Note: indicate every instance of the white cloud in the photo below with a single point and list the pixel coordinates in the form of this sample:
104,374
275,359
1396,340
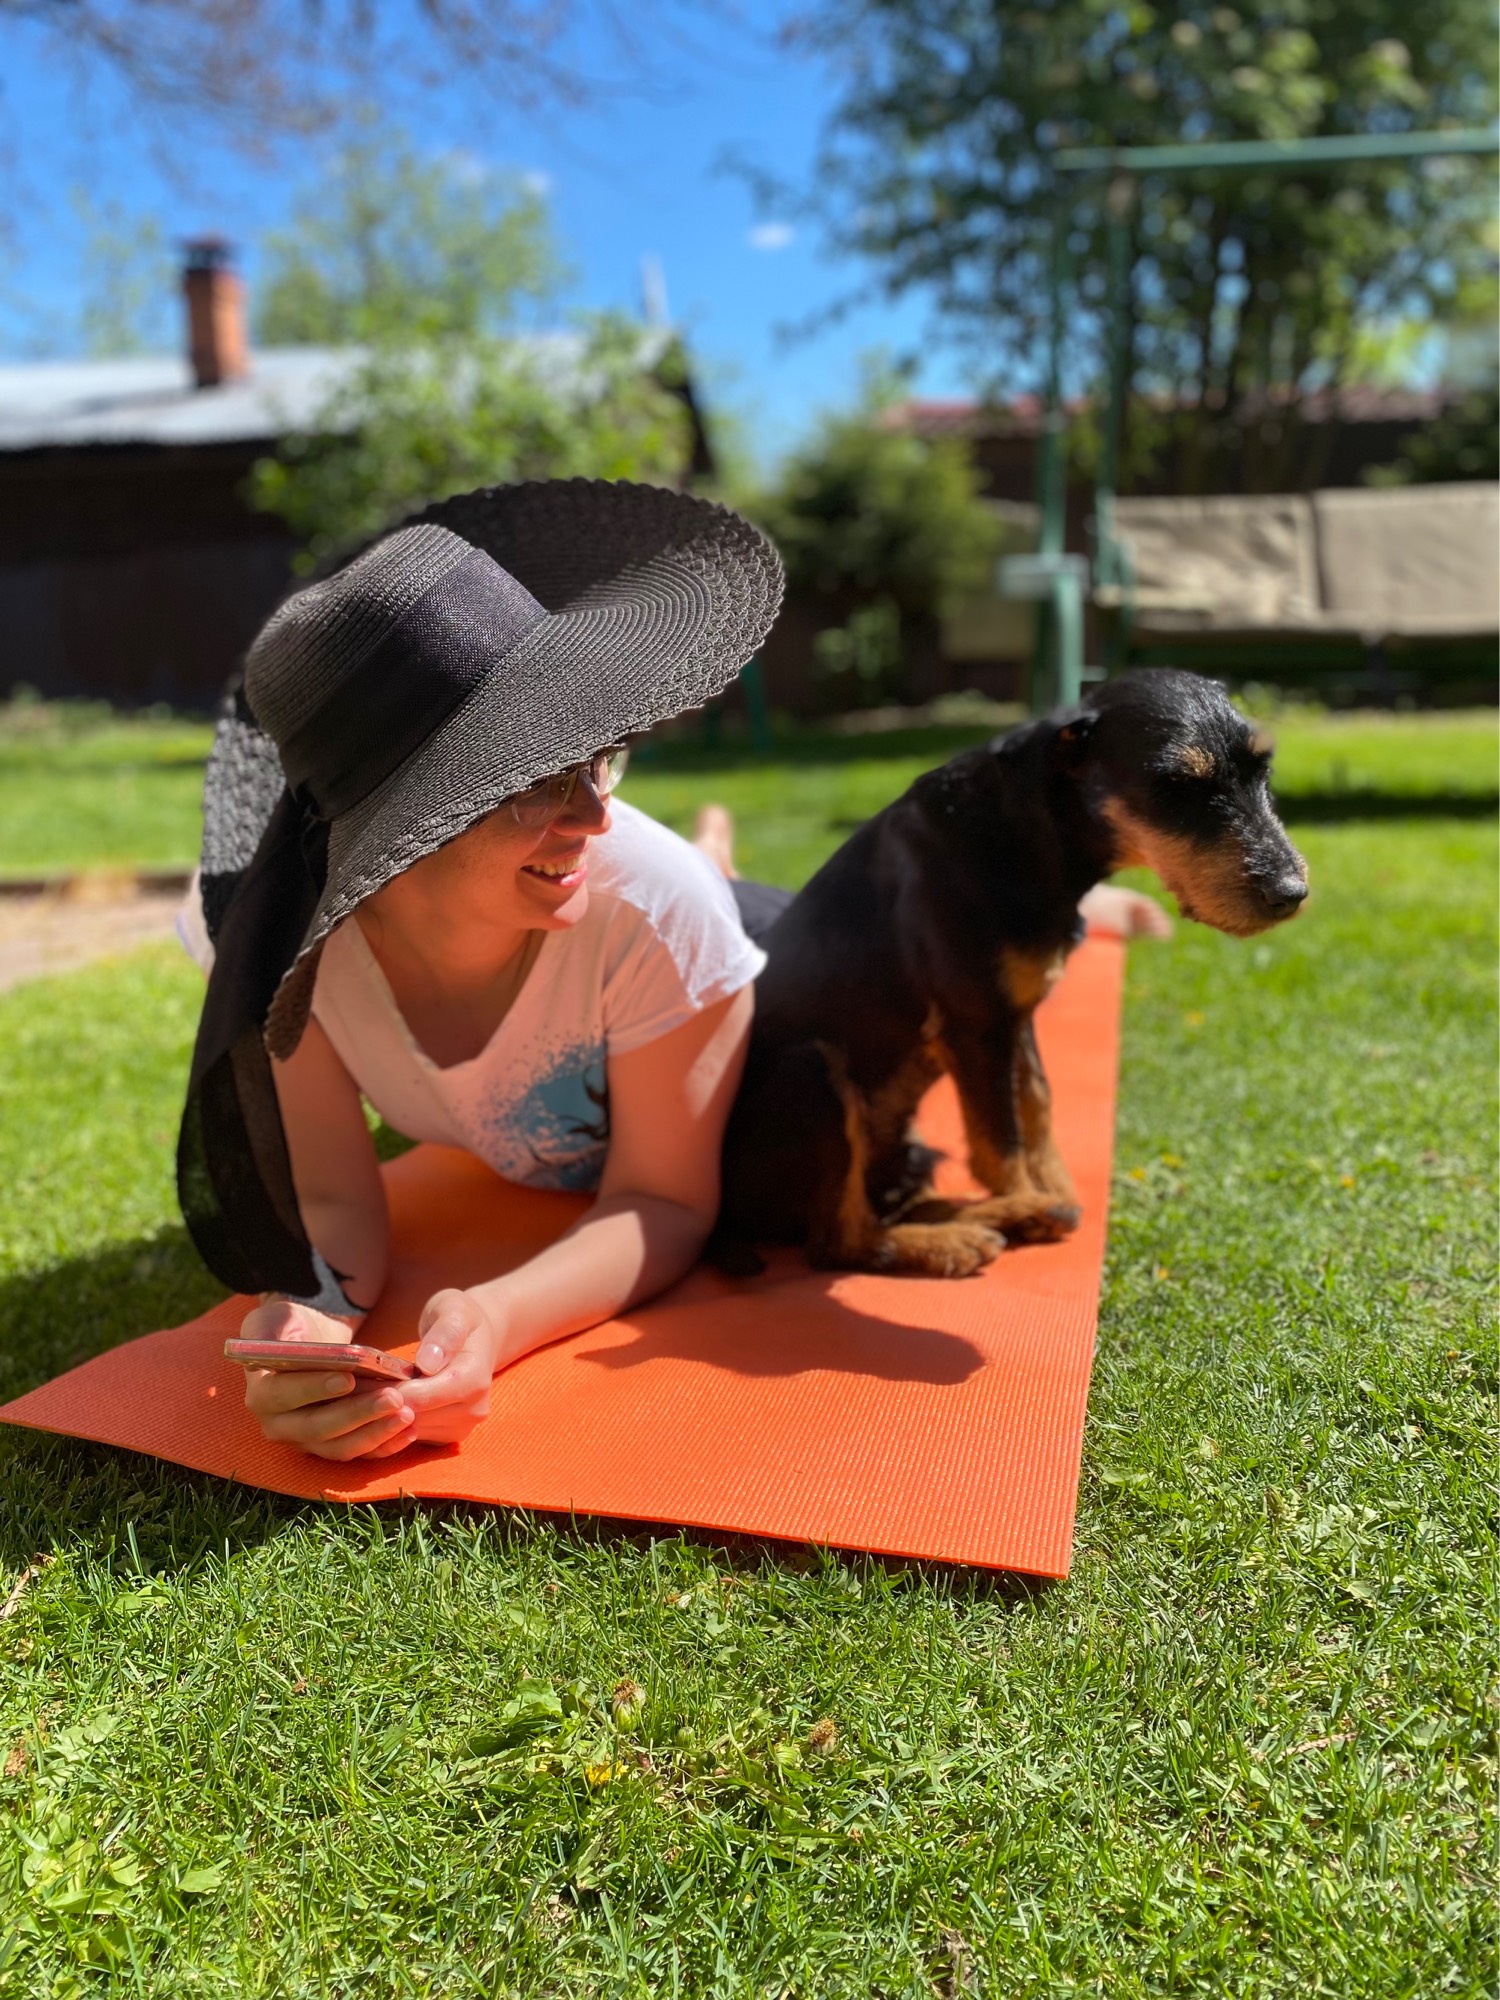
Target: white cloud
770,235
537,182
467,166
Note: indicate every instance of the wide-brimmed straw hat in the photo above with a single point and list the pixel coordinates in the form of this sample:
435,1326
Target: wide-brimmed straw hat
488,643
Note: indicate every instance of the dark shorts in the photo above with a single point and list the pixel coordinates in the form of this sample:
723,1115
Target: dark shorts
760,906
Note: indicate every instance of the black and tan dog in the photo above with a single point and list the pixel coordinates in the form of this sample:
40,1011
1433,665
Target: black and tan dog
925,945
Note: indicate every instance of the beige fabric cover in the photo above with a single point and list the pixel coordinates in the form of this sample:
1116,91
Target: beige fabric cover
1229,560
1411,559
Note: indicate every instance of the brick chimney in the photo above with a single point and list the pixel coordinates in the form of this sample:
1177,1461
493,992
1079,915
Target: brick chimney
215,293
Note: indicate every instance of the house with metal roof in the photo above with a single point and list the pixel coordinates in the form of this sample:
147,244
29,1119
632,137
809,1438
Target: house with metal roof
132,566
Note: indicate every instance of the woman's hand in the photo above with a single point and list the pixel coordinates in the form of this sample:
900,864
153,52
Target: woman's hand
456,1361
328,1416
320,1413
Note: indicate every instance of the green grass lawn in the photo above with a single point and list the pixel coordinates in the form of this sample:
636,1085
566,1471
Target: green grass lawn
81,788
257,1747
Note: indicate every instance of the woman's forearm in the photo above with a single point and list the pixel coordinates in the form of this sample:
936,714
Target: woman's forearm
334,1170
353,1239
627,1248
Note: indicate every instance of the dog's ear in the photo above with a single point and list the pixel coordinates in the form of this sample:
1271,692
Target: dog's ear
1071,742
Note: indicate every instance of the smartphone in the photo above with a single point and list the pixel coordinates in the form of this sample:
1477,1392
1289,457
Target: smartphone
366,1364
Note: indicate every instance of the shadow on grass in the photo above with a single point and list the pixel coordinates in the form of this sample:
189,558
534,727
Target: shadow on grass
146,1516
53,1319
1312,808
933,743
1330,808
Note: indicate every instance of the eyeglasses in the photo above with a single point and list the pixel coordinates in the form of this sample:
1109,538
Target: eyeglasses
543,802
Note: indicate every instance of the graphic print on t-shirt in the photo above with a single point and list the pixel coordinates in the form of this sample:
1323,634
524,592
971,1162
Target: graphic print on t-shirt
555,1133
660,940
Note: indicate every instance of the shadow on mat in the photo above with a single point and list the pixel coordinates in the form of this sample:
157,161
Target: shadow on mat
842,1341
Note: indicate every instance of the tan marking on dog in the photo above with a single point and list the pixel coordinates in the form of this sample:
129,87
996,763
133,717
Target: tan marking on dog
1026,978
889,1111
1033,1095
1034,1106
1194,761
854,1225
1129,852
1262,742
1035,1174
1207,879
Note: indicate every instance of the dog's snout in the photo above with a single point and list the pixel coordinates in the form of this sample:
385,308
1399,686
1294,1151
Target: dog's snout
1285,895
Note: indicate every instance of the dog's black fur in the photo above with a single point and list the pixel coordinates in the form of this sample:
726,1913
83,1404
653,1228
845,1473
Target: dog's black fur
926,943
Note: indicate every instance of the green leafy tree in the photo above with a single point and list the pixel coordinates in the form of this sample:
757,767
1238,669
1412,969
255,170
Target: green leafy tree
1462,442
394,246
1248,288
129,280
430,276
882,533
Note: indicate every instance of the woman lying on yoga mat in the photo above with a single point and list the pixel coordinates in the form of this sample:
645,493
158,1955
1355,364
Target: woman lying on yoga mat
416,888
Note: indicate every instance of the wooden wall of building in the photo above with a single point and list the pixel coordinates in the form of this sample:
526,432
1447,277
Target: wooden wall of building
134,574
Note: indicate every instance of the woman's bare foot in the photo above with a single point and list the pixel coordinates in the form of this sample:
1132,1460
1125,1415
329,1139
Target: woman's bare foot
1124,912
713,833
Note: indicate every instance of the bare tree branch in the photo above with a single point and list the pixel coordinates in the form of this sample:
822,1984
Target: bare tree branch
258,70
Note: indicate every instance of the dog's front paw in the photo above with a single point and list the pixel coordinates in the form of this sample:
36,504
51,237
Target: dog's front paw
1028,1218
954,1249
1048,1225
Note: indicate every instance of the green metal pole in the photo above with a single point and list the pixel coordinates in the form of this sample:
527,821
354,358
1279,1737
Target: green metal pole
1052,470
1052,487
1109,567
1330,151
1067,615
757,708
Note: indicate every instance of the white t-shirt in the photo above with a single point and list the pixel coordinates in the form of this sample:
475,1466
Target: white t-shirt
660,941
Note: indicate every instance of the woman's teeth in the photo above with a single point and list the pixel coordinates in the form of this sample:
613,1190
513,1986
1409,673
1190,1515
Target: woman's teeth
556,871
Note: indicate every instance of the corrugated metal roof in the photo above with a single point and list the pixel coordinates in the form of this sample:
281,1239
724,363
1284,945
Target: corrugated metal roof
152,398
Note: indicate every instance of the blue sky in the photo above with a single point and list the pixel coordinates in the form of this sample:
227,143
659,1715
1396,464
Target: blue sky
639,175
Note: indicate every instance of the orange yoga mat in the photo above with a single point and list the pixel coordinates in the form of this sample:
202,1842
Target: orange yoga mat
938,1418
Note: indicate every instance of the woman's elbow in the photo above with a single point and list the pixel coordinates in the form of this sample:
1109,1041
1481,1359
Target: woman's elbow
354,1238
692,1223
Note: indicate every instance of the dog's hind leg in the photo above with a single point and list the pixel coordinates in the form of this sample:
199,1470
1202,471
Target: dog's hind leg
845,1232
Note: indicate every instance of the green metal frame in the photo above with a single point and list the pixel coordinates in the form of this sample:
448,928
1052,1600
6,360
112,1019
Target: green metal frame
1058,669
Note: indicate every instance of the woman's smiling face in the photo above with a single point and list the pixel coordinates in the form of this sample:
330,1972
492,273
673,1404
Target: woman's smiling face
509,876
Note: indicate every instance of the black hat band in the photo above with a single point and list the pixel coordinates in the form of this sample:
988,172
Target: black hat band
384,709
